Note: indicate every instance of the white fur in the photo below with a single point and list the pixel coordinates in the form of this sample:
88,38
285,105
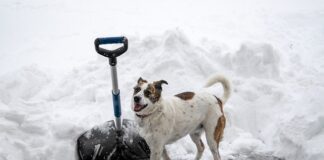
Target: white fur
172,118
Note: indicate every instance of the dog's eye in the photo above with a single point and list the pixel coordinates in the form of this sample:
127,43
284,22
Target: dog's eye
147,93
137,89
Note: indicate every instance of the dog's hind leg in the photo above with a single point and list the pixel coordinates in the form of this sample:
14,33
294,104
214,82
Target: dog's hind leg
212,145
214,134
165,154
196,138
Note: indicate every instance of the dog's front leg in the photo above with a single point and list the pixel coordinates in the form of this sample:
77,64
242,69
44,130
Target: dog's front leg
156,151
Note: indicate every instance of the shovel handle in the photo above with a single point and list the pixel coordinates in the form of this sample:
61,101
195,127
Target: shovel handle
111,40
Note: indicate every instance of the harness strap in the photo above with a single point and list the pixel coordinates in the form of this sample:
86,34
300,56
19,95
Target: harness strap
142,116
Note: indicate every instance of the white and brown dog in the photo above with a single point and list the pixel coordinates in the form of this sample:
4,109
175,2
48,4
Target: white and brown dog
164,120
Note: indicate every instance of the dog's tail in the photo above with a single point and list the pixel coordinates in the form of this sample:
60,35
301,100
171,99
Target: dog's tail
225,83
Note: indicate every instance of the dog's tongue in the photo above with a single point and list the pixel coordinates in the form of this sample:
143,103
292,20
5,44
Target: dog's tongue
137,107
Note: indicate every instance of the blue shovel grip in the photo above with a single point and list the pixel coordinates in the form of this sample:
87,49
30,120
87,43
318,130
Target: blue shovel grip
111,40
116,102
111,54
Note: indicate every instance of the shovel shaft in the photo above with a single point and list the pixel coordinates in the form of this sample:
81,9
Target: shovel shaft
116,97
114,79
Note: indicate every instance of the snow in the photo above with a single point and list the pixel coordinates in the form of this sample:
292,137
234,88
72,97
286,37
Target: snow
53,86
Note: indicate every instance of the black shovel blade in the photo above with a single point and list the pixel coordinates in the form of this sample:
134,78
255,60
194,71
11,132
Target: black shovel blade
103,142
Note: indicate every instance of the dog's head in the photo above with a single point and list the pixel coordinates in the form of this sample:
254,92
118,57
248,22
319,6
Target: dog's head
146,95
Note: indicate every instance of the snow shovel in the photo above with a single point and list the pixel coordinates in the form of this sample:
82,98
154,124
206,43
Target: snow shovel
113,140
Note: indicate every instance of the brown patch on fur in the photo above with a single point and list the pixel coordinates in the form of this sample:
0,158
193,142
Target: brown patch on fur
158,84
154,90
220,104
141,81
185,95
137,88
152,93
202,145
219,130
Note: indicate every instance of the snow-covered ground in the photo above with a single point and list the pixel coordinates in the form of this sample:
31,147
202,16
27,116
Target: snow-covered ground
53,86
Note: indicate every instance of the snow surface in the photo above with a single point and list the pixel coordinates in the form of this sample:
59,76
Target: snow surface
53,86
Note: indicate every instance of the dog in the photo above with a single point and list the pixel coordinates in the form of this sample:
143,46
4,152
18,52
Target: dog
163,121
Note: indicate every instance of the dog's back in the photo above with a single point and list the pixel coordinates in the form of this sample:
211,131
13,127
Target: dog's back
189,114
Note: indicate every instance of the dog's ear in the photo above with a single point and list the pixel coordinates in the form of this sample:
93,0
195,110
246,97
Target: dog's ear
158,84
141,81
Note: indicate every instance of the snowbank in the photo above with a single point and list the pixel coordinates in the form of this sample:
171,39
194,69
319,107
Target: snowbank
275,109
53,86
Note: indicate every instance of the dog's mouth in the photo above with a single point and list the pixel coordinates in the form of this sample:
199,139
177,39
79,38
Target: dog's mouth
139,107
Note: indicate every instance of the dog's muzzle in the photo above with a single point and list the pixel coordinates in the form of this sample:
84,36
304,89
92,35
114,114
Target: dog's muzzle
139,107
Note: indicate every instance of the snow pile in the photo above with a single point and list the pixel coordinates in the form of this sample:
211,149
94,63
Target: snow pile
53,86
259,60
274,111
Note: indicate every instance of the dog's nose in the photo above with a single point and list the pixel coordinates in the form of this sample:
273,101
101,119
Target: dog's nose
137,99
